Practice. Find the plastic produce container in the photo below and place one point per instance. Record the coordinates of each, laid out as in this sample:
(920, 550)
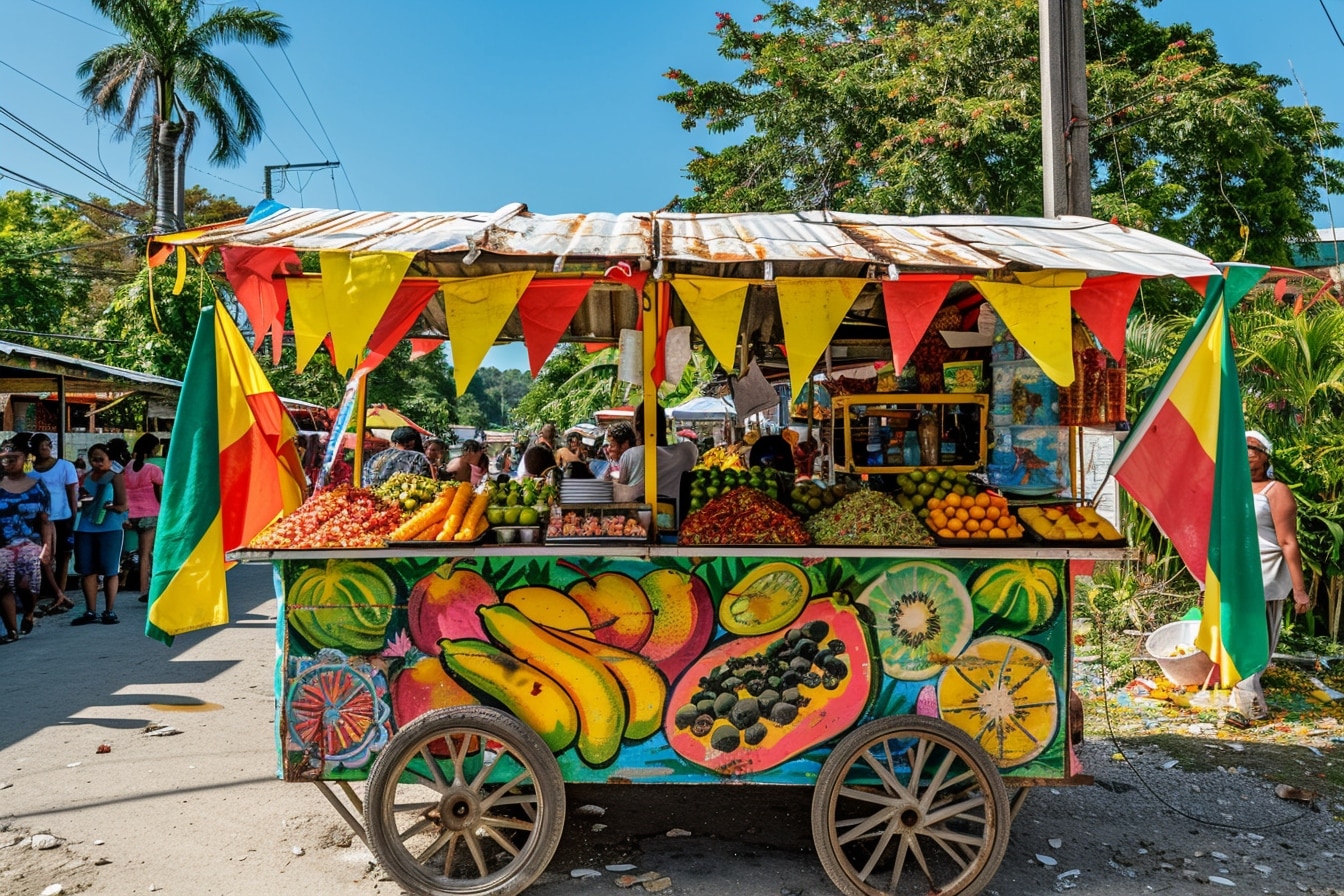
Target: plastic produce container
(1193, 668)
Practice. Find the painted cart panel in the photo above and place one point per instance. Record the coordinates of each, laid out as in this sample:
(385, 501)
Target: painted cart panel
(673, 669)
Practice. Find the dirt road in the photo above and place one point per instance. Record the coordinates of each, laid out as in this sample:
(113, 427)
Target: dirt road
(200, 812)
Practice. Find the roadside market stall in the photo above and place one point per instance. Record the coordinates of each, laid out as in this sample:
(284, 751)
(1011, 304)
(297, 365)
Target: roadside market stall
(897, 639)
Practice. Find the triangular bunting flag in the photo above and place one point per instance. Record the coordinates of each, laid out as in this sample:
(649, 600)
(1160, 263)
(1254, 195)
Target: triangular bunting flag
(1240, 279)
(477, 309)
(1036, 311)
(421, 347)
(1103, 303)
(715, 304)
(359, 287)
(811, 309)
(251, 272)
(911, 303)
(410, 300)
(1198, 284)
(308, 309)
(545, 309)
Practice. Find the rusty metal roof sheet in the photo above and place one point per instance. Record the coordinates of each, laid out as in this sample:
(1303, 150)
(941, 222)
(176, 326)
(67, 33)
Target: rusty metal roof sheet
(973, 243)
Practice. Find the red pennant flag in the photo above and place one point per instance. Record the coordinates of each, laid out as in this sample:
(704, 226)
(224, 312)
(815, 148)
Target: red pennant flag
(911, 303)
(624, 273)
(251, 271)
(545, 308)
(421, 347)
(278, 325)
(157, 253)
(1198, 284)
(1103, 303)
(405, 308)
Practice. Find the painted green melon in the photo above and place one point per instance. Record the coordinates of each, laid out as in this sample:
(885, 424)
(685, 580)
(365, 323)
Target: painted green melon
(923, 616)
(1021, 596)
(345, 604)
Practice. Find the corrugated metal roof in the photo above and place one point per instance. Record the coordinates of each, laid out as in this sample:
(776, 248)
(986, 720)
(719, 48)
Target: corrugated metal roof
(25, 369)
(807, 242)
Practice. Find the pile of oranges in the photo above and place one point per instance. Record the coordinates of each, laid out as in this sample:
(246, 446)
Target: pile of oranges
(966, 516)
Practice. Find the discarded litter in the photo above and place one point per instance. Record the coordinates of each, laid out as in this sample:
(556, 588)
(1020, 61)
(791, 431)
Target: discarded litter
(1288, 792)
(1263, 869)
(1065, 875)
(590, 809)
(298, 850)
(53, 890)
(73, 765)
(1220, 856)
(678, 832)
(585, 873)
(620, 867)
(103, 748)
(156, 730)
(1222, 881)
(657, 886)
(44, 841)
(1171, 763)
(599, 828)
(1055, 842)
(1047, 861)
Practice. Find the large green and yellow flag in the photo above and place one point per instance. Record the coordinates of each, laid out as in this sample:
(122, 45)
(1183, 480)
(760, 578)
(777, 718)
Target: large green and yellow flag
(232, 469)
(1185, 462)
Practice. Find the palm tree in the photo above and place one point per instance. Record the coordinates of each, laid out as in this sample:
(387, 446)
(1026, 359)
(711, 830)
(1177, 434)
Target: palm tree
(166, 59)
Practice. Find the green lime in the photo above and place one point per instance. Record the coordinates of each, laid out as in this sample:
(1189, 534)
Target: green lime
(925, 489)
(909, 488)
(917, 501)
(494, 515)
(512, 513)
(915, 476)
(528, 516)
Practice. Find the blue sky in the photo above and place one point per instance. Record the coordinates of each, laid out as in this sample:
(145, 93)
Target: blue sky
(453, 105)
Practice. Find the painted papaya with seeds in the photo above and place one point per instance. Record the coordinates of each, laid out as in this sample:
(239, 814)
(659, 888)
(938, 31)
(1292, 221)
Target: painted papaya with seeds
(752, 703)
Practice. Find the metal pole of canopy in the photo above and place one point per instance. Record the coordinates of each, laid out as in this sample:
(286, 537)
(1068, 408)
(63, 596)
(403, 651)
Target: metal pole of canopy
(650, 305)
(361, 418)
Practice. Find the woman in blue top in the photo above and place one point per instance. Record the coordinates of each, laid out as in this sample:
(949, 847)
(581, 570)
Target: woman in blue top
(98, 535)
(24, 540)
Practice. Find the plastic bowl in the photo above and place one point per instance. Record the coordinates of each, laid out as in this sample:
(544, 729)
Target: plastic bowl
(528, 535)
(1192, 669)
(506, 534)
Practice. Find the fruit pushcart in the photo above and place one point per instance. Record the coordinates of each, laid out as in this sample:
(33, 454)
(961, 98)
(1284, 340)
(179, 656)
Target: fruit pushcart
(920, 691)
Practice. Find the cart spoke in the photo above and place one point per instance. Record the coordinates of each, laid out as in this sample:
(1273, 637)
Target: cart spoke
(499, 838)
(919, 857)
(514, 824)
(901, 851)
(433, 847)
(416, 828)
(863, 826)
(488, 767)
(958, 837)
(888, 778)
(956, 809)
(474, 846)
(450, 852)
(868, 796)
(878, 850)
(501, 791)
(401, 808)
(437, 779)
(937, 783)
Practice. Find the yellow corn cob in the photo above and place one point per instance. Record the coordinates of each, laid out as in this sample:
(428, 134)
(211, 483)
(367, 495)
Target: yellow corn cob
(425, 517)
(473, 518)
(453, 522)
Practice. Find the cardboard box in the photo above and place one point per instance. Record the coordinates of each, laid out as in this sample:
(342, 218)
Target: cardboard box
(964, 376)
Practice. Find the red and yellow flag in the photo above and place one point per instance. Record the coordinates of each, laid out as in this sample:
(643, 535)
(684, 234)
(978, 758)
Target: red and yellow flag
(232, 469)
(1185, 462)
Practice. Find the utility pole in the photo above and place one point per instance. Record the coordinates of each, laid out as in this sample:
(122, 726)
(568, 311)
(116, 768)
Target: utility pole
(308, 165)
(1066, 163)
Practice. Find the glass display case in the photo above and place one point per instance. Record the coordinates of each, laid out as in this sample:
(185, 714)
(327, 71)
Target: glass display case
(899, 432)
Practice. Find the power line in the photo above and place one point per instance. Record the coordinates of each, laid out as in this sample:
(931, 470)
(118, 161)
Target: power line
(76, 18)
(38, 185)
(56, 157)
(285, 102)
(103, 177)
(224, 179)
(1331, 20)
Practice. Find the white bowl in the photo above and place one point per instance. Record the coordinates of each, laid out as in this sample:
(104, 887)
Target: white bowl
(506, 534)
(528, 535)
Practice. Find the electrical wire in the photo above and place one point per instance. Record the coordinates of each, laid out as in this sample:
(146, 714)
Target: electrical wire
(90, 170)
(76, 18)
(1119, 751)
(1331, 20)
(38, 185)
(283, 101)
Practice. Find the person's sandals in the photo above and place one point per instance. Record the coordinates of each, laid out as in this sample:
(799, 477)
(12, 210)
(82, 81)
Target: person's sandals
(110, 618)
(64, 606)
(88, 617)
(8, 638)
(26, 626)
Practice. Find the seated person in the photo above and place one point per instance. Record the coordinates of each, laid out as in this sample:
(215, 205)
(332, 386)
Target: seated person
(573, 451)
(402, 457)
(470, 465)
(537, 462)
(673, 460)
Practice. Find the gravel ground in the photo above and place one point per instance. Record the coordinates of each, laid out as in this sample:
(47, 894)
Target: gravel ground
(1190, 804)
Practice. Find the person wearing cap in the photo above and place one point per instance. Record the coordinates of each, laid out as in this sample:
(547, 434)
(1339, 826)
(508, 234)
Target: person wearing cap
(1280, 561)
(400, 458)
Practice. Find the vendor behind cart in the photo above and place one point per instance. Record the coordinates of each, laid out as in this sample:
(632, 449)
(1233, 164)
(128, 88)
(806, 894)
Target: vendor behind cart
(673, 460)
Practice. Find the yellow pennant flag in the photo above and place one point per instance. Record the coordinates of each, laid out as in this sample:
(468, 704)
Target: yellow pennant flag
(715, 304)
(477, 309)
(308, 309)
(1036, 311)
(359, 287)
(811, 309)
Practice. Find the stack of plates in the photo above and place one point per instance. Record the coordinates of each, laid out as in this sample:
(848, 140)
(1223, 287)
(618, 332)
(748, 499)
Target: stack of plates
(585, 491)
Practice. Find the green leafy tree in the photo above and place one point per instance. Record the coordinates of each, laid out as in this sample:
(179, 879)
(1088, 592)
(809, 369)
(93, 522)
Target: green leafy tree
(905, 107)
(35, 286)
(164, 78)
(497, 392)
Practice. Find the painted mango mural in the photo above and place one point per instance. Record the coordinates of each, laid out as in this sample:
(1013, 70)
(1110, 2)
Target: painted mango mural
(672, 669)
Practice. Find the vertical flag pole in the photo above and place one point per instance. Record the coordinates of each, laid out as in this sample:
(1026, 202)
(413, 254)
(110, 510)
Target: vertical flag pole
(361, 417)
(650, 306)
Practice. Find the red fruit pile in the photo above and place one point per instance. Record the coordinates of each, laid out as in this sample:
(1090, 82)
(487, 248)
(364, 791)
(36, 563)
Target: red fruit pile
(743, 516)
(340, 517)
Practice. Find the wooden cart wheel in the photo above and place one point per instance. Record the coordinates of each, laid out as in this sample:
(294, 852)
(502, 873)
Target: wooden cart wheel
(466, 801)
(910, 804)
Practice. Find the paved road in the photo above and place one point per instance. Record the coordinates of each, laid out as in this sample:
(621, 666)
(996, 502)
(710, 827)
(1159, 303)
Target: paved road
(202, 813)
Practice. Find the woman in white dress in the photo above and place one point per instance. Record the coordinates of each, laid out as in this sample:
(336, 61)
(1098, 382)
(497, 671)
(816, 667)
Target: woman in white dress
(1280, 561)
